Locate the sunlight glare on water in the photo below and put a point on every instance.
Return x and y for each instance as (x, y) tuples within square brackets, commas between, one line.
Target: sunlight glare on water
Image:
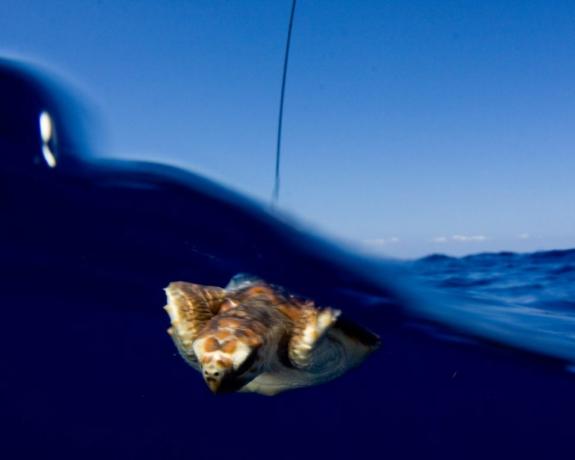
[(46, 132)]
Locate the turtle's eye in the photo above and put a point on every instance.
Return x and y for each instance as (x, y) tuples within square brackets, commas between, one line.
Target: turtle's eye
[(235, 380), (248, 363)]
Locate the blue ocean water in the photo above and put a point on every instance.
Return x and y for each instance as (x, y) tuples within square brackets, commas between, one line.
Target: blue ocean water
[(542, 280), (527, 298), (474, 350)]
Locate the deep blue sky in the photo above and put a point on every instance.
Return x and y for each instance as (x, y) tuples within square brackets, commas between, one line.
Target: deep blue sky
[(410, 126)]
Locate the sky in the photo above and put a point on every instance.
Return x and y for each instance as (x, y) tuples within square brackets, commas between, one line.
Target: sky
[(410, 127)]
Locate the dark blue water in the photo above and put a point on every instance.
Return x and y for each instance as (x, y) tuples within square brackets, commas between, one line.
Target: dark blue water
[(524, 299), (475, 351), (542, 280)]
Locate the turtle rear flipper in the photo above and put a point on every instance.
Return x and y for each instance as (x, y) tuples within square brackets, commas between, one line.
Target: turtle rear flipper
[(243, 280)]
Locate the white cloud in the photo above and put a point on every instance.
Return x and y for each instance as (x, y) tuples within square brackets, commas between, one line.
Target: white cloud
[(523, 236), (383, 241), (466, 238), (459, 238), (440, 239)]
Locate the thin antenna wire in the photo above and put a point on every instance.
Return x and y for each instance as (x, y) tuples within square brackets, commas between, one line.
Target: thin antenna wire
[(276, 192)]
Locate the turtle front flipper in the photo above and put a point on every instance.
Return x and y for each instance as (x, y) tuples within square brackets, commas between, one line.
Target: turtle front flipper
[(309, 328), (190, 307)]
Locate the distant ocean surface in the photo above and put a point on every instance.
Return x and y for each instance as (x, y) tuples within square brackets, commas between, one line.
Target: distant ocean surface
[(530, 294)]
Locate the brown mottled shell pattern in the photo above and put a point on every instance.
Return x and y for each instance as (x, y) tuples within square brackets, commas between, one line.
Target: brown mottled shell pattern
[(256, 337)]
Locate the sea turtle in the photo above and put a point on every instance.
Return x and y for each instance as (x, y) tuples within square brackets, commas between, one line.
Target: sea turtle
[(255, 337)]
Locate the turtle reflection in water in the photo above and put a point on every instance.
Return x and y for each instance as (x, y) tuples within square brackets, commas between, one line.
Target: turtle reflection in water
[(255, 337)]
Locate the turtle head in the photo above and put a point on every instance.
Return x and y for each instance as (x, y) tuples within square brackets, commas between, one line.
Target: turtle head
[(226, 365)]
